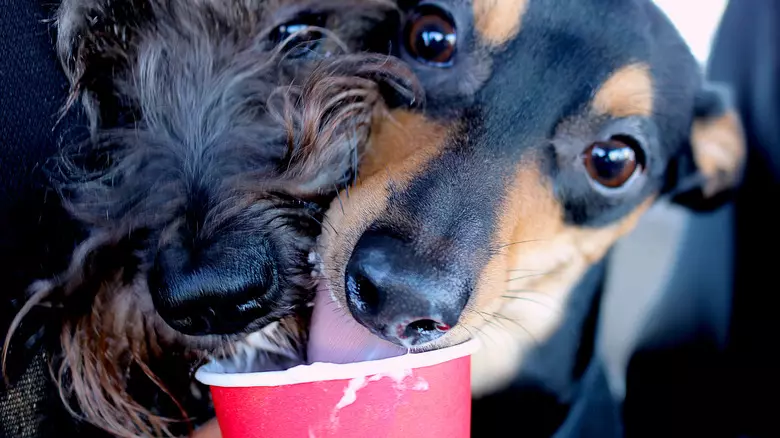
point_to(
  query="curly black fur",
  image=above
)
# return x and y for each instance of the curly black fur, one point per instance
(214, 149)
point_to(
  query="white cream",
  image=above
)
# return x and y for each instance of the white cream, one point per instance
(397, 367)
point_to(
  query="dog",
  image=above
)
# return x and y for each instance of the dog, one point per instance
(550, 127)
(220, 130)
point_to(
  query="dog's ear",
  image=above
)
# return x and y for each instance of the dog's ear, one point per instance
(704, 176)
(329, 120)
(94, 41)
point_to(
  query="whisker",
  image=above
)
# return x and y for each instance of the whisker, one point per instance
(493, 323)
(354, 164)
(322, 223)
(530, 300)
(529, 276)
(490, 319)
(338, 195)
(464, 327)
(328, 223)
(517, 323)
(519, 243)
(481, 314)
(483, 334)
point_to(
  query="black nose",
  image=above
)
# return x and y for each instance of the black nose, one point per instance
(403, 297)
(217, 293)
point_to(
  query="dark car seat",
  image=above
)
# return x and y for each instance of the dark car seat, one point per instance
(35, 234)
(708, 365)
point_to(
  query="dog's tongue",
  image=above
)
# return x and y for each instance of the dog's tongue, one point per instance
(335, 337)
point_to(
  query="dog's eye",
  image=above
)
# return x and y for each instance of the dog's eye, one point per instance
(430, 35)
(300, 35)
(611, 164)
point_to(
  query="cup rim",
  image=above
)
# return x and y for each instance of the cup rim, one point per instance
(321, 371)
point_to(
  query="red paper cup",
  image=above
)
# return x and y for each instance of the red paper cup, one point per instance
(414, 395)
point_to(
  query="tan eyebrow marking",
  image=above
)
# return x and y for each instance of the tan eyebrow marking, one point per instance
(628, 92)
(497, 21)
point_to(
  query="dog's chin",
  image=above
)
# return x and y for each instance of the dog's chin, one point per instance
(270, 343)
(276, 347)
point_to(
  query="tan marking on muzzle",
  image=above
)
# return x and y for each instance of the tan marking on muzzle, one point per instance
(522, 292)
(400, 146)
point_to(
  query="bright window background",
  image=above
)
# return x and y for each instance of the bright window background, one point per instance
(697, 21)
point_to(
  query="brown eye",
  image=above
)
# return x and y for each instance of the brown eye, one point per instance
(430, 36)
(612, 163)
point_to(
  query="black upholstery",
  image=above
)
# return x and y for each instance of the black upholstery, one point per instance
(35, 236)
(708, 365)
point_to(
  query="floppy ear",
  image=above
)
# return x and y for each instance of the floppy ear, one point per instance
(95, 39)
(712, 164)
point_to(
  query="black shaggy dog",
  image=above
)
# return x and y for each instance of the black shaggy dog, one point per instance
(220, 129)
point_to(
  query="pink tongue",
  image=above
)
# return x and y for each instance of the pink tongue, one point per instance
(335, 337)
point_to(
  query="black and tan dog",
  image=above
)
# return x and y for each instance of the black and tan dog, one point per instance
(550, 127)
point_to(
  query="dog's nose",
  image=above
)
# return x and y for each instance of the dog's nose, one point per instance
(399, 295)
(208, 302)
(211, 298)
